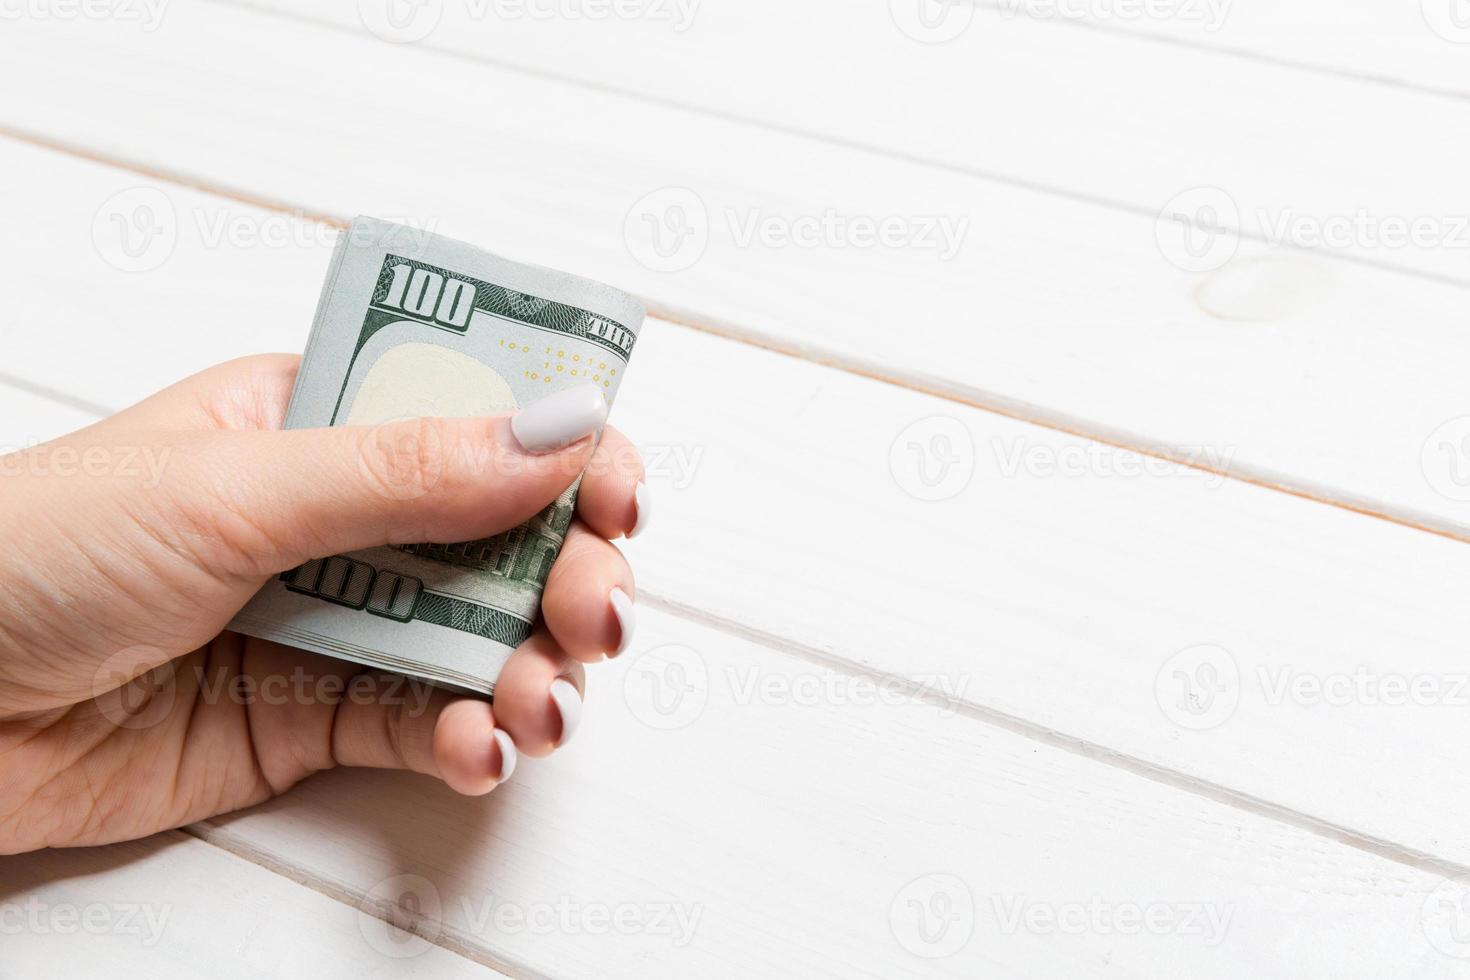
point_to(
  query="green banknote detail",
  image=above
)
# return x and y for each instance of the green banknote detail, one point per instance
(410, 325)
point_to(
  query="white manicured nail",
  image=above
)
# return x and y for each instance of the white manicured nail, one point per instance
(569, 704)
(560, 419)
(507, 754)
(644, 506)
(623, 609)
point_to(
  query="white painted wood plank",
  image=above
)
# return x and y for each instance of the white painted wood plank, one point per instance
(1054, 309)
(1421, 44)
(1098, 114)
(754, 835)
(1052, 582)
(28, 419)
(172, 907)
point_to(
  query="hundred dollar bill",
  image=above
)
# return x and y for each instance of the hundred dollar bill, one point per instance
(411, 324)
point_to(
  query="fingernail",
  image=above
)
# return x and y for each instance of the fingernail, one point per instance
(569, 705)
(623, 609)
(507, 754)
(644, 507)
(561, 419)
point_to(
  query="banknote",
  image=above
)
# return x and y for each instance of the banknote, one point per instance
(413, 324)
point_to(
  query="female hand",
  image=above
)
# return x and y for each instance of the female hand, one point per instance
(126, 709)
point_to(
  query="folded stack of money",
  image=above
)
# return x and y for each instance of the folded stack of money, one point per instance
(412, 324)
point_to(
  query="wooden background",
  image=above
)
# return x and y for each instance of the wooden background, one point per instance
(1086, 600)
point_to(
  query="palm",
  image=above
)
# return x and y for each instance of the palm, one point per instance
(198, 737)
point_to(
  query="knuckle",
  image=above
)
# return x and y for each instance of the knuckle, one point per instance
(249, 393)
(618, 459)
(586, 561)
(409, 458)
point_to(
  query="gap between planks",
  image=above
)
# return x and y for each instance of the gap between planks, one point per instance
(207, 832)
(1243, 54)
(1072, 745)
(917, 382)
(888, 153)
(214, 834)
